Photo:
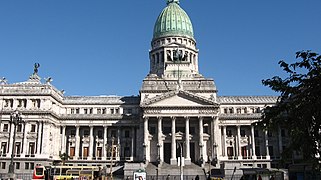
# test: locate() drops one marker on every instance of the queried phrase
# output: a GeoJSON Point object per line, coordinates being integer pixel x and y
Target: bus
{"type": "Point", "coordinates": [39, 172]}
{"type": "Point", "coordinates": [67, 172]}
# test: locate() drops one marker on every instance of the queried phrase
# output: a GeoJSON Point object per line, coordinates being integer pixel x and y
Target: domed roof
{"type": "Point", "coordinates": [173, 20]}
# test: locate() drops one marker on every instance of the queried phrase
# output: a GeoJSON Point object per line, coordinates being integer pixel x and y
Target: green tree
{"type": "Point", "coordinates": [298, 108]}
{"type": "Point", "coordinates": [64, 157]}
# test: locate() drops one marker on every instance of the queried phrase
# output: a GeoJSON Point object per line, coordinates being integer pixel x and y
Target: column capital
{"type": "Point", "coordinates": [187, 117]}
{"type": "Point", "coordinates": [173, 118]}
{"type": "Point", "coordinates": [201, 117]}
{"type": "Point", "coordinates": [160, 117]}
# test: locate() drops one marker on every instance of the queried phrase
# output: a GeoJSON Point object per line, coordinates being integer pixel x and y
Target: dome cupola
{"type": "Point", "coordinates": [173, 21]}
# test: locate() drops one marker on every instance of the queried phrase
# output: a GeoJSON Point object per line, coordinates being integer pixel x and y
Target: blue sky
{"type": "Point", "coordinates": [100, 47]}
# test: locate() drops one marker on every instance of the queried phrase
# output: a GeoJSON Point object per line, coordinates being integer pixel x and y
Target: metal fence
{"type": "Point", "coordinates": [175, 177]}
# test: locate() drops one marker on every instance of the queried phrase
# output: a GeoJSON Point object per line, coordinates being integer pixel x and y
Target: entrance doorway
{"type": "Point", "coordinates": [192, 151]}
{"type": "Point", "coordinates": [167, 152]}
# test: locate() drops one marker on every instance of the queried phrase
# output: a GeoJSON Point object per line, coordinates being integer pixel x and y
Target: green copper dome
{"type": "Point", "coordinates": [174, 21]}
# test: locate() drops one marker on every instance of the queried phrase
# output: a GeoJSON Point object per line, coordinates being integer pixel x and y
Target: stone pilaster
{"type": "Point", "coordinates": [253, 143]}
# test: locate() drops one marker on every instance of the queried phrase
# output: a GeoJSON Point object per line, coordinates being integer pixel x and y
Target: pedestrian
{"type": "Point", "coordinates": [260, 178]}
{"type": "Point", "coordinates": [197, 177]}
{"type": "Point", "coordinates": [168, 177]}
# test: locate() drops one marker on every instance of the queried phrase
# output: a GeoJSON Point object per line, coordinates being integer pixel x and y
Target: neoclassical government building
{"type": "Point", "coordinates": [178, 113]}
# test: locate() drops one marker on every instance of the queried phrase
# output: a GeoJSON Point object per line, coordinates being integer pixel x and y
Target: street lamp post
{"type": "Point", "coordinates": [15, 119]}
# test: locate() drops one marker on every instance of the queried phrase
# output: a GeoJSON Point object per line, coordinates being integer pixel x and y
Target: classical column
{"type": "Point", "coordinates": [146, 144]}
{"type": "Point", "coordinates": [201, 143]}
{"type": "Point", "coordinates": [11, 139]}
{"type": "Point", "coordinates": [253, 143]}
{"type": "Point", "coordinates": [118, 143]}
{"type": "Point", "coordinates": [267, 144]}
{"type": "Point", "coordinates": [40, 124]}
{"type": "Point", "coordinates": [91, 142]}
{"type": "Point", "coordinates": [217, 138]}
{"type": "Point", "coordinates": [173, 145]}
{"type": "Point", "coordinates": [133, 143]}
{"type": "Point", "coordinates": [25, 146]}
{"type": "Point", "coordinates": [160, 145]}
{"type": "Point", "coordinates": [63, 140]}
{"type": "Point", "coordinates": [224, 149]}
{"type": "Point", "coordinates": [187, 142]}
{"type": "Point", "coordinates": [239, 148]}
{"type": "Point", "coordinates": [105, 142]}
{"type": "Point", "coordinates": [77, 143]}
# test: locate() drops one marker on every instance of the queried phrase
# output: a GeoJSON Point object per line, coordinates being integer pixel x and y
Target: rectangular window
{"type": "Point", "coordinates": [245, 110]}
{"type": "Point", "coordinates": [6, 128]}
{"type": "Point", "coordinates": [104, 111]}
{"type": "Point", "coordinates": [33, 128]}
{"type": "Point", "coordinates": [111, 111]}
{"type": "Point", "coordinates": [85, 111]}
{"type": "Point", "coordinates": [99, 152]}
{"type": "Point", "coordinates": [26, 165]}
{"type": "Point", "coordinates": [72, 111]}
{"type": "Point", "coordinates": [32, 165]}
{"type": "Point", "coordinates": [19, 128]}
{"type": "Point", "coordinates": [72, 151]}
{"type": "Point", "coordinates": [229, 133]}
{"type": "Point", "coordinates": [17, 165]}
{"type": "Point", "coordinates": [7, 103]}
{"type": "Point", "coordinates": [230, 151]}
{"type": "Point", "coordinates": [85, 152]}
{"type": "Point", "coordinates": [98, 111]}
{"type": "Point", "coordinates": [77, 111]}
{"type": "Point", "coordinates": [3, 148]}
{"type": "Point", "coordinates": [3, 165]}
{"type": "Point", "coordinates": [31, 148]}
{"type": "Point", "coordinates": [36, 103]}
{"type": "Point", "coordinates": [22, 103]}
{"type": "Point", "coordinates": [18, 149]}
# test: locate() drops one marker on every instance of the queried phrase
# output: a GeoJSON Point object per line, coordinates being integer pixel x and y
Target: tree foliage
{"type": "Point", "coordinates": [298, 108]}
{"type": "Point", "coordinates": [64, 157]}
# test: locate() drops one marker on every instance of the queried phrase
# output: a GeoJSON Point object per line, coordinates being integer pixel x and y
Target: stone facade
{"type": "Point", "coordinates": [177, 114]}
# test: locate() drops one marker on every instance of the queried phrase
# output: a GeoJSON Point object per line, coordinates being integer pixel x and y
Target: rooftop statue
{"type": "Point", "coordinates": [35, 71]}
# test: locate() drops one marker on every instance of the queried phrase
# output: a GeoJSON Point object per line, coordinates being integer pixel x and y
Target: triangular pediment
{"type": "Point", "coordinates": [178, 99]}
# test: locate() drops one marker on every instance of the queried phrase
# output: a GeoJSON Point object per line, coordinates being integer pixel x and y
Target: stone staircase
{"type": "Point", "coordinates": [165, 169]}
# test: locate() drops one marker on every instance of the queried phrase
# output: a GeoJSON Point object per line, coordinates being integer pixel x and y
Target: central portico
{"type": "Point", "coordinates": [179, 106]}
